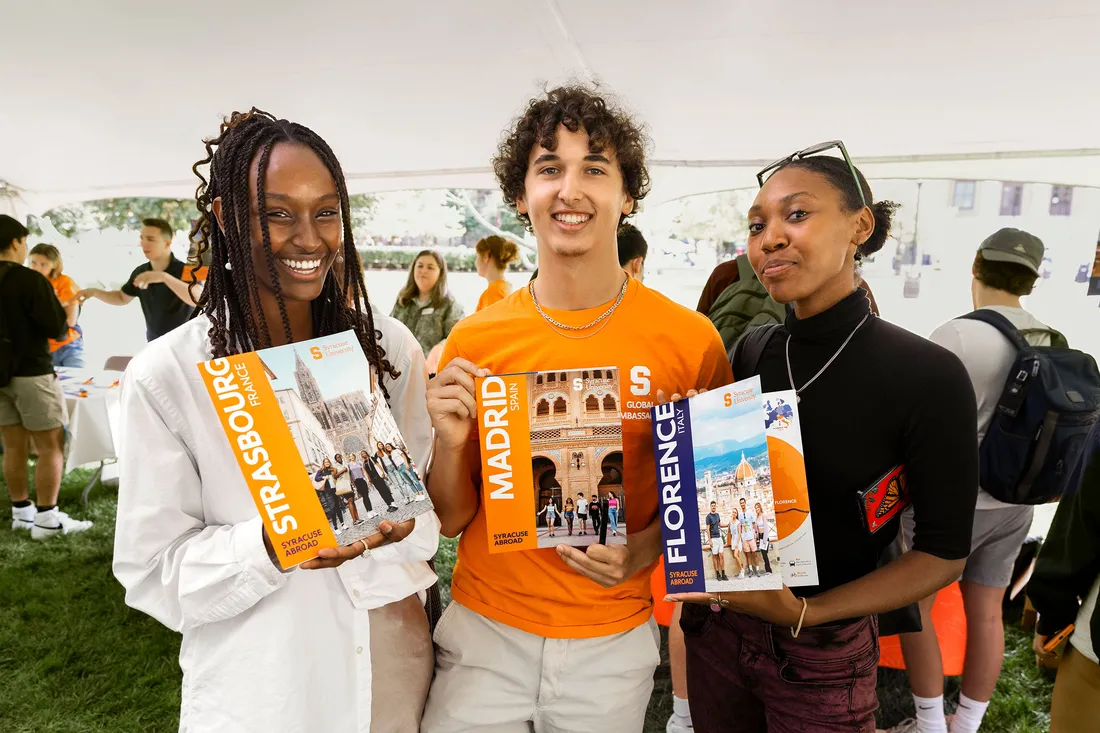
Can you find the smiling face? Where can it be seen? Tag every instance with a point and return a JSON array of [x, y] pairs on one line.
[[302, 205], [802, 242], [574, 195]]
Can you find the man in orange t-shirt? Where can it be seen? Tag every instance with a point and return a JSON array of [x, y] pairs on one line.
[[561, 638]]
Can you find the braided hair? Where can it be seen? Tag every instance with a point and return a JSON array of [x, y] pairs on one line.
[[231, 295]]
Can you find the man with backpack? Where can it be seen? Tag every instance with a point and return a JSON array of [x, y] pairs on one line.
[[31, 403], [734, 300], [1025, 377]]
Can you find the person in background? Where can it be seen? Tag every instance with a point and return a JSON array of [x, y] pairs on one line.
[[69, 351], [166, 300], [595, 513], [807, 657], [569, 513], [613, 513], [193, 553], [326, 495], [377, 477], [717, 548], [762, 532], [550, 510], [633, 250], [359, 482], [582, 513], [426, 306], [1006, 268], [1064, 590], [493, 255], [32, 406]]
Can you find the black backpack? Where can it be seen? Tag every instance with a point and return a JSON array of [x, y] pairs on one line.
[[7, 346], [1042, 419]]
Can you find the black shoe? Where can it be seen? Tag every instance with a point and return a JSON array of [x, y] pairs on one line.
[[392, 509]]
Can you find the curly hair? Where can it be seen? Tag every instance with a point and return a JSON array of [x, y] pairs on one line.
[[231, 296], [576, 108], [1006, 276]]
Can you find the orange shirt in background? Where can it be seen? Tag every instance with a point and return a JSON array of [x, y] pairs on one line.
[[498, 290], [66, 290], [655, 344]]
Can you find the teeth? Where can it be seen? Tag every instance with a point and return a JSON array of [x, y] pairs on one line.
[[301, 265], [572, 218]]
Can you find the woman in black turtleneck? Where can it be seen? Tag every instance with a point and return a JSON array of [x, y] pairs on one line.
[[889, 398]]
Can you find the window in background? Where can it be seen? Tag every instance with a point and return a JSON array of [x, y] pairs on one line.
[[1061, 200], [1012, 199], [964, 195]]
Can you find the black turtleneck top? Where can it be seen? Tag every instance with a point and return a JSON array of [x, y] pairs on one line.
[[890, 398]]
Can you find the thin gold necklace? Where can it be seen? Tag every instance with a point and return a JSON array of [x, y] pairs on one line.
[[565, 327]]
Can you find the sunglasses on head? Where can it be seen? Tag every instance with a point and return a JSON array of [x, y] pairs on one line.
[[814, 150]]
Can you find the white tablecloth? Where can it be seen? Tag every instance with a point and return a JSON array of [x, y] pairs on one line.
[[93, 401]]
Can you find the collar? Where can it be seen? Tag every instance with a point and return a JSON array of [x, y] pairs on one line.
[[833, 324]]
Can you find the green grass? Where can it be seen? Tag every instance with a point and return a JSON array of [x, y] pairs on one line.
[[75, 659]]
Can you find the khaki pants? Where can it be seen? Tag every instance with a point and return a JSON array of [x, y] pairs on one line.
[[492, 678], [1076, 704], [401, 665]]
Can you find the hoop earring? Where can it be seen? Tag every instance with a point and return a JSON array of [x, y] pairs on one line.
[[339, 259], [228, 266]]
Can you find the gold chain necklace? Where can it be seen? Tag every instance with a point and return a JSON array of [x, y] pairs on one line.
[[564, 327]]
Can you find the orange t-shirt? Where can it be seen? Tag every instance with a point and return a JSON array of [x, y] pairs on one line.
[[655, 344], [497, 291], [65, 289]]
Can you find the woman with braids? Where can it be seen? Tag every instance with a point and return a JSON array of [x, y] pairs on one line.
[[264, 649], [426, 306], [493, 255], [806, 660]]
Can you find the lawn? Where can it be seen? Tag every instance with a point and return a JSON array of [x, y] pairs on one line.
[[75, 659]]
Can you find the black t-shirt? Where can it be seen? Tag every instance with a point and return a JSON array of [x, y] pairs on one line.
[[32, 316], [162, 308], [890, 398]]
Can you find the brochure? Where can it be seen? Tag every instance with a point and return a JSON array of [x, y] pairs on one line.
[[552, 458], [319, 449], [793, 549], [714, 476]]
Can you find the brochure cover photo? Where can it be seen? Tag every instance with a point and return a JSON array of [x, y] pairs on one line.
[[714, 476], [552, 458], [315, 440], [794, 549]]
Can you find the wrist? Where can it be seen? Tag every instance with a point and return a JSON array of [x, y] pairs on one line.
[[815, 615]]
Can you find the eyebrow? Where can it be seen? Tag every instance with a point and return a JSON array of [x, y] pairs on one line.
[[591, 157], [286, 197], [785, 200]]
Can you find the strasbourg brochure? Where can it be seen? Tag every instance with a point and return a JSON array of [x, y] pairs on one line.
[[318, 447], [551, 458]]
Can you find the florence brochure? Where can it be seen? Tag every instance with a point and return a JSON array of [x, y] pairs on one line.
[[718, 519], [316, 442], [552, 458]]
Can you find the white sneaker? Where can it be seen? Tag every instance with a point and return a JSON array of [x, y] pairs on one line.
[[55, 522], [741, 575], [23, 517], [675, 725]]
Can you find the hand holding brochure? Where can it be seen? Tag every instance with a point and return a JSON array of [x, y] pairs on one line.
[[551, 459], [315, 440], [714, 477]]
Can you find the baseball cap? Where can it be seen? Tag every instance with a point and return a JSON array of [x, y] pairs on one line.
[[1015, 246]]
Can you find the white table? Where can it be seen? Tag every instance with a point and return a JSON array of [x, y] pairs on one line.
[[92, 398]]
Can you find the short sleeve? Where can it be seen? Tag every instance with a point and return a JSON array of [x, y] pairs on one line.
[[129, 288], [65, 289], [941, 458]]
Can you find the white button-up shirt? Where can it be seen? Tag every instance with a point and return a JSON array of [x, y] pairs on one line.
[[263, 650]]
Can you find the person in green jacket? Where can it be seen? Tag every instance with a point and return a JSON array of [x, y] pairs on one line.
[[426, 306]]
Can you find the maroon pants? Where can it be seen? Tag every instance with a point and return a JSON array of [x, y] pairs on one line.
[[747, 676]]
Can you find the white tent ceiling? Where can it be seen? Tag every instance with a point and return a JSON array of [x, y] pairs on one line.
[[113, 97]]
